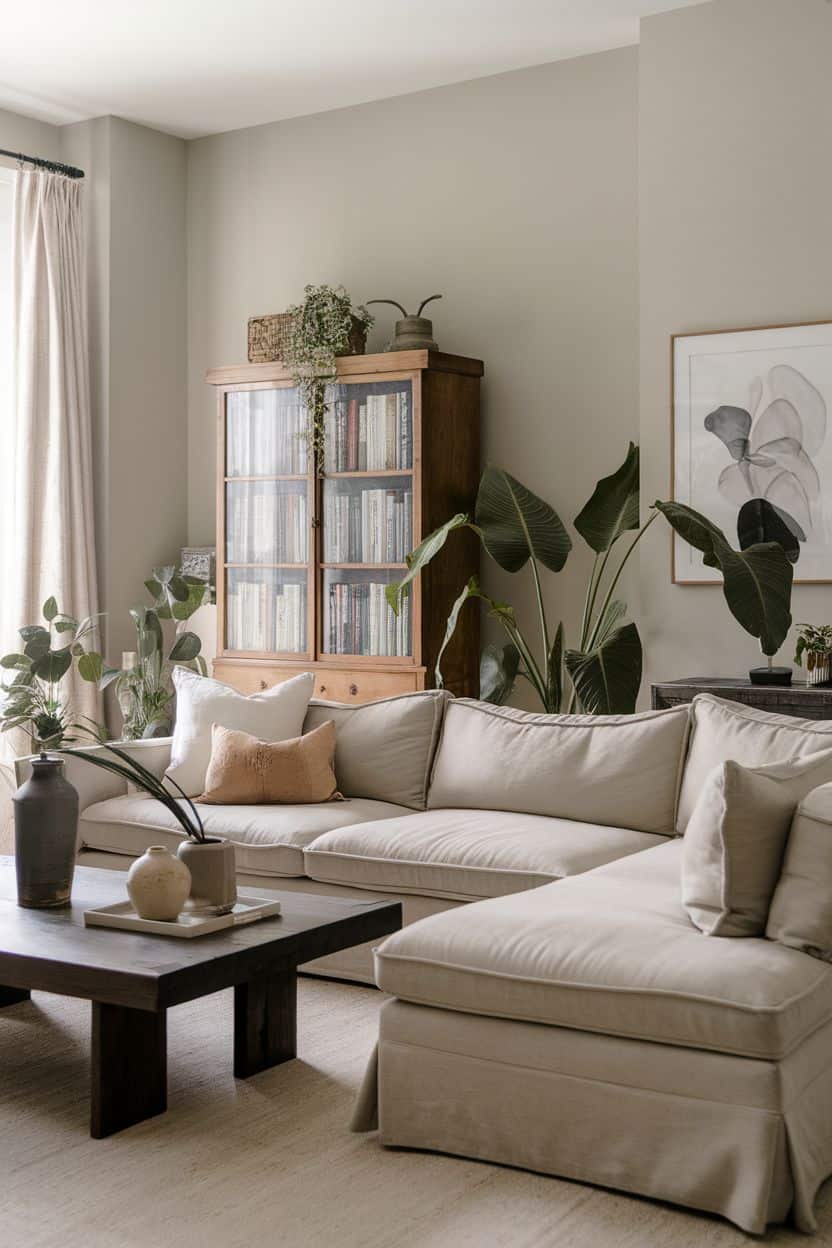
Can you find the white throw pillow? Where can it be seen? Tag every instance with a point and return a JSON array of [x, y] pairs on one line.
[[735, 841], [276, 714], [720, 729]]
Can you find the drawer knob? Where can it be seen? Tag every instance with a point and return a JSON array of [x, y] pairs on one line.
[[353, 690], [263, 684]]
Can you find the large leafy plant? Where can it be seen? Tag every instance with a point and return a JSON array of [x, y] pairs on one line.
[[145, 690], [33, 699], [602, 673]]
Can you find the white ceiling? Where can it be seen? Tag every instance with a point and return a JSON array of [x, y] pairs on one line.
[[195, 67]]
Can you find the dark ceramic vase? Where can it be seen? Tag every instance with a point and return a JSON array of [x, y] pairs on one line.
[[45, 835]]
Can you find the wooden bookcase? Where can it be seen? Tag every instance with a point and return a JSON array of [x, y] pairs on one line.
[[303, 557]]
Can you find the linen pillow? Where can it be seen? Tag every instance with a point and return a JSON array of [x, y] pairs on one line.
[[619, 770], [801, 908], [735, 841], [720, 729], [384, 749], [245, 771], [274, 715]]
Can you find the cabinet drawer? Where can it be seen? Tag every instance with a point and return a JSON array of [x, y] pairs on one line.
[[364, 686], [331, 684]]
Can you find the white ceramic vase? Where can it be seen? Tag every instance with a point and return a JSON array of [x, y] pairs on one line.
[[158, 885]]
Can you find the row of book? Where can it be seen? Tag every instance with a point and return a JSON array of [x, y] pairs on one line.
[[265, 526], [367, 526], [262, 616], [369, 434], [359, 620], [265, 433]]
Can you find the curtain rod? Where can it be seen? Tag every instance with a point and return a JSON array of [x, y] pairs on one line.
[[52, 166]]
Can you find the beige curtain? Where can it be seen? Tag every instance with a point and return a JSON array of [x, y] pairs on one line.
[[48, 546]]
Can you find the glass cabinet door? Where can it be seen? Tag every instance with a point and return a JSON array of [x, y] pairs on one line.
[[268, 519], [366, 518]]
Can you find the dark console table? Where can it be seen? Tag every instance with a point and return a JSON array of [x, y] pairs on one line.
[[804, 701]]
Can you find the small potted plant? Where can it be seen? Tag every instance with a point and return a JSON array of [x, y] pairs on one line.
[[210, 859], [814, 646]]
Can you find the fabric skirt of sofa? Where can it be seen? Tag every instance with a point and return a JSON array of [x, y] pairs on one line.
[[748, 1139]]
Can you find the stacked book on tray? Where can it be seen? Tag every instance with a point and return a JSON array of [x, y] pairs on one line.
[[369, 434], [262, 614], [359, 620], [367, 526]]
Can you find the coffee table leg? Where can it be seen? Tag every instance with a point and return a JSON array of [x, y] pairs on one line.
[[129, 1067], [11, 996], [265, 1022]]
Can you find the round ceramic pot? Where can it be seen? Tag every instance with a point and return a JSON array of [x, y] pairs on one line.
[[213, 874], [158, 885], [45, 835]]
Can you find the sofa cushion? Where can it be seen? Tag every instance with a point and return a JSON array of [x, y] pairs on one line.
[[611, 951], [801, 908], [720, 730], [274, 715], [621, 770], [465, 854], [735, 840], [268, 840], [384, 749]]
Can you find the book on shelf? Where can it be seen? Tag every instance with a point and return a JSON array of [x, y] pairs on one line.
[[359, 620], [369, 434], [266, 433], [266, 525], [263, 616], [367, 525]]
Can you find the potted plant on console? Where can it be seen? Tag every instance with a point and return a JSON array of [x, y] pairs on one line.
[[814, 646]]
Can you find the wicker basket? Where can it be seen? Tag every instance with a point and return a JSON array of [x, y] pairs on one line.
[[267, 335]]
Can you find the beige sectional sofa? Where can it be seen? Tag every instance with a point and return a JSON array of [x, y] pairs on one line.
[[572, 1020]]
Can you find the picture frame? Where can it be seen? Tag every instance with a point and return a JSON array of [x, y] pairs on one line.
[[751, 417]]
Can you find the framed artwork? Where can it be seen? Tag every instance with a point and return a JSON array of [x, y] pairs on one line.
[[751, 410]]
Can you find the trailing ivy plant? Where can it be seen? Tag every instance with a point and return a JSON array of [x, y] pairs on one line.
[[602, 674], [33, 699], [320, 331]]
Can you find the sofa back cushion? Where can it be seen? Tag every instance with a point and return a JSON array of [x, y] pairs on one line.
[[384, 750], [620, 770], [722, 730]]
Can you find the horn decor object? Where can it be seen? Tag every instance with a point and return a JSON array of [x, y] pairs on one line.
[[411, 333]]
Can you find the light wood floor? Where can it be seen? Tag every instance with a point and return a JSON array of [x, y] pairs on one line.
[[270, 1161]]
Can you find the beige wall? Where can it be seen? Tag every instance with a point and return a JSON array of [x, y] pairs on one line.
[[24, 134], [735, 116], [514, 196]]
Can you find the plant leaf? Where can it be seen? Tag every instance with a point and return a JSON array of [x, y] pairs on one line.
[[156, 728], [90, 666], [19, 661], [498, 672], [422, 555], [108, 676], [36, 647], [615, 611], [50, 609], [471, 590], [607, 678], [758, 520], [186, 647], [164, 575], [153, 587], [65, 624], [554, 672], [613, 507], [52, 666], [178, 589], [757, 581], [515, 524]]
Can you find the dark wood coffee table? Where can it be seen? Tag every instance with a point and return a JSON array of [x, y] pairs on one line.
[[132, 980]]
